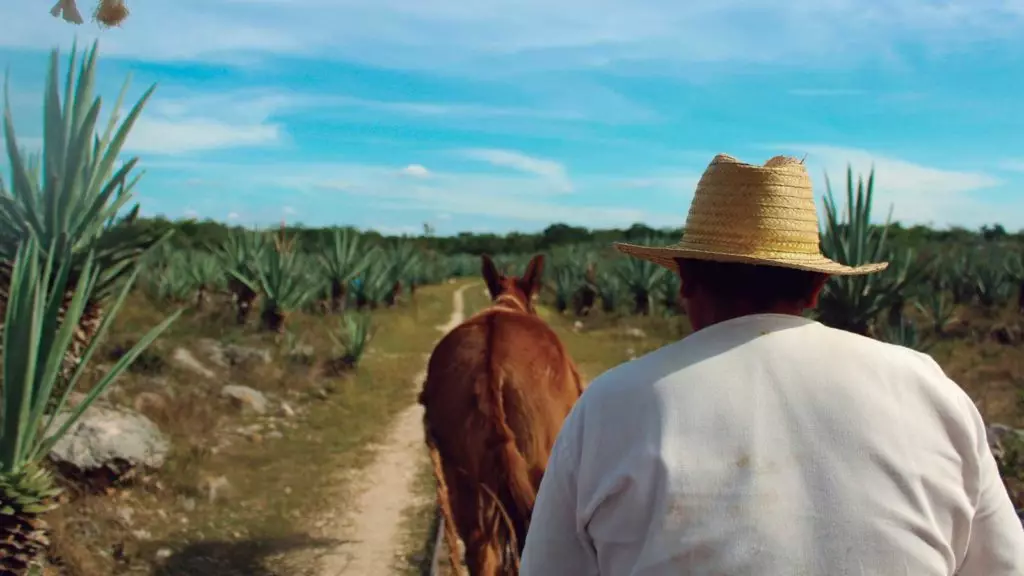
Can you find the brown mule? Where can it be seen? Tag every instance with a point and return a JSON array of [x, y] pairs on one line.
[[498, 388]]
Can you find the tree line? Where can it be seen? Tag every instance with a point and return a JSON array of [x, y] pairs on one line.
[[196, 234]]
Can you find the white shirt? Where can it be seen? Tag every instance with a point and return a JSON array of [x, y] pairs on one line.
[[772, 445]]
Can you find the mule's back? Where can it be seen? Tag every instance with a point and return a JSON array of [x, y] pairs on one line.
[[509, 351]]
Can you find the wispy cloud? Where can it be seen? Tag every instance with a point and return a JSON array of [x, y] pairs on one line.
[[522, 200], [918, 193], [540, 34], [550, 170], [167, 136]]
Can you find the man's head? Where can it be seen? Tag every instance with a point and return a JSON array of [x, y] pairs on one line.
[[713, 292]]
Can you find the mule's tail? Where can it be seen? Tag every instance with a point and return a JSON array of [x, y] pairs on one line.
[[520, 487], [451, 537]]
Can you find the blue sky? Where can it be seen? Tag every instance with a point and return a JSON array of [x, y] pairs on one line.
[[510, 115]]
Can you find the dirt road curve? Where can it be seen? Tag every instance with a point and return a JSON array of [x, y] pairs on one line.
[[372, 537]]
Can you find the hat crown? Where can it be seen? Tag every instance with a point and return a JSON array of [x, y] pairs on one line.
[[746, 209]]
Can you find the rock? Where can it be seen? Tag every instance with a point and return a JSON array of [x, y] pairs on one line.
[[577, 326], [126, 515], [245, 398], [631, 354], [215, 488], [237, 355], [635, 333], [286, 410], [274, 435], [108, 437], [150, 403], [213, 350], [164, 553], [228, 355], [186, 360]]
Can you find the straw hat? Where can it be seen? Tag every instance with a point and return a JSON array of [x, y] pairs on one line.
[[752, 215]]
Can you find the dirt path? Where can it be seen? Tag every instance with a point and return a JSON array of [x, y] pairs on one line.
[[372, 537]]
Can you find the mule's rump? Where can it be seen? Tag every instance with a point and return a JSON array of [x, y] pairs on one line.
[[498, 388]]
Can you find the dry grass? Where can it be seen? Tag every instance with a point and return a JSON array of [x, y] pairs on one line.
[[278, 474], [599, 341]]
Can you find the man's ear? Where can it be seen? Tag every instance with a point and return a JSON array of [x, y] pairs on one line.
[[491, 275], [819, 285]]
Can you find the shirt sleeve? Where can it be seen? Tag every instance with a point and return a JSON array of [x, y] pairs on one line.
[[996, 546], [555, 544]]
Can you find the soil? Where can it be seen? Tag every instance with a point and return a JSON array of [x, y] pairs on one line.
[[370, 537]]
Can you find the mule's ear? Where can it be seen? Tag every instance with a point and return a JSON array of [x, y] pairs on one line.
[[532, 277], [491, 275]]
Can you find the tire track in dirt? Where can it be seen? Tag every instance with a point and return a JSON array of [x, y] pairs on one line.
[[373, 537]]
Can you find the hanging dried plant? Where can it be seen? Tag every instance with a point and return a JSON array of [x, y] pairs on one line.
[[68, 11], [110, 13]]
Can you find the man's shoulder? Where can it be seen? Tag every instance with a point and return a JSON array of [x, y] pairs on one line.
[[633, 376]]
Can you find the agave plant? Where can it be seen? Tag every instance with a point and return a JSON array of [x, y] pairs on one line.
[[609, 287], [405, 260], [463, 265], [565, 281], [905, 333], [642, 279], [344, 260], [957, 275], [39, 328], [204, 274], [938, 307], [853, 302], [353, 336], [669, 290], [993, 284], [74, 197], [280, 280], [241, 254], [373, 287]]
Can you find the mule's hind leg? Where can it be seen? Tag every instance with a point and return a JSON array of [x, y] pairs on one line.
[[482, 554], [475, 516]]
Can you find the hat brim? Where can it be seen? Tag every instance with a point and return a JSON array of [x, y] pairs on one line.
[[666, 255]]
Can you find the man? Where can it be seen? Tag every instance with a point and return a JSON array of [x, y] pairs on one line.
[[766, 443]]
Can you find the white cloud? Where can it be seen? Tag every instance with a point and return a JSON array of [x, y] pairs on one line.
[[194, 122], [288, 210], [165, 136], [416, 171], [918, 194], [533, 33], [232, 216], [512, 197], [549, 170], [190, 213]]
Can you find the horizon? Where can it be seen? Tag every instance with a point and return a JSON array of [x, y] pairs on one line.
[[511, 117]]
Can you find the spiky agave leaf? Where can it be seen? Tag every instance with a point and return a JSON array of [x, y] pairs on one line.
[[853, 302], [38, 330]]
